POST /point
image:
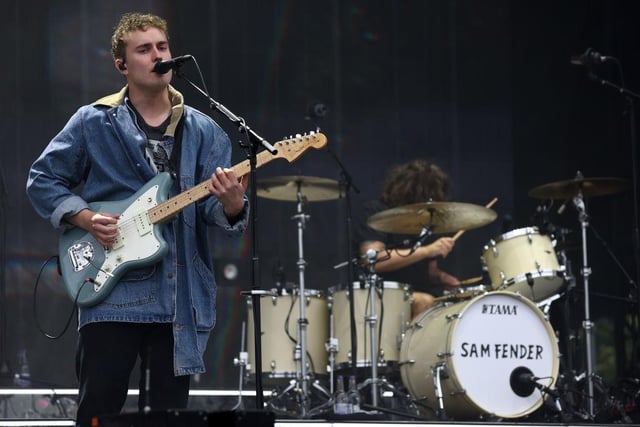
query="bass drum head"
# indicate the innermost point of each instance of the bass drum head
(478, 345)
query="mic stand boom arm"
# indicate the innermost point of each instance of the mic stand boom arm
(242, 127)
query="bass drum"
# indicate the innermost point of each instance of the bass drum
(279, 323)
(479, 350)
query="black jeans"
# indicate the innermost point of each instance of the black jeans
(105, 357)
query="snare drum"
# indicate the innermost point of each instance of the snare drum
(392, 311)
(477, 350)
(279, 323)
(523, 261)
(462, 293)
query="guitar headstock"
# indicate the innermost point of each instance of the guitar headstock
(294, 146)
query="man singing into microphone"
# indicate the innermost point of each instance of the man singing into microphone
(164, 311)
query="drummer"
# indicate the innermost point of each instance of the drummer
(414, 182)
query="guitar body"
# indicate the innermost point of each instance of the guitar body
(89, 270)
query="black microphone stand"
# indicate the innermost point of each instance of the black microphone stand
(346, 185)
(630, 97)
(4, 365)
(255, 142)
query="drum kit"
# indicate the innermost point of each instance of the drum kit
(482, 352)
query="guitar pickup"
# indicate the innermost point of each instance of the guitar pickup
(143, 225)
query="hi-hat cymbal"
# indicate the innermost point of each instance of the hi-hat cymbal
(444, 217)
(589, 187)
(287, 188)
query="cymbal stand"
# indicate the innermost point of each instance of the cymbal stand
(587, 324)
(333, 347)
(372, 321)
(300, 351)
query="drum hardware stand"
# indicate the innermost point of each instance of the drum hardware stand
(333, 347)
(301, 383)
(587, 324)
(241, 361)
(300, 351)
(438, 370)
(372, 320)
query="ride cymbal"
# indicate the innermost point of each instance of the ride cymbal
(443, 217)
(589, 187)
(287, 188)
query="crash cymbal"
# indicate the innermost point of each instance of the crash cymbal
(590, 187)
(286, 188)
(444, 217)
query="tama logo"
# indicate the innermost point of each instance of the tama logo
(500, 309)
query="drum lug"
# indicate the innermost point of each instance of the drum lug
(494, 247)
(503, 279)
(453, 316)
(443, 355)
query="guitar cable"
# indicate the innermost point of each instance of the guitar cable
(35, 308)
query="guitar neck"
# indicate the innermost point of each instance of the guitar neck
(289, 149)
(176, 204)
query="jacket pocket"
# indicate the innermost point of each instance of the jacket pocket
(137, 287)
(203, 296)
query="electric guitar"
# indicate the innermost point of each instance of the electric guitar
(90, 271)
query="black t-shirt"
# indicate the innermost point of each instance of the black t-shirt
(417, 274)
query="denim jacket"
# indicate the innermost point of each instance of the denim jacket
(102, 147)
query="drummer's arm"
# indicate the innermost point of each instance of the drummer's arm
(442, 277)
(399, 258)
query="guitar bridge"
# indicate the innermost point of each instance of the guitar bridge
(81, 254)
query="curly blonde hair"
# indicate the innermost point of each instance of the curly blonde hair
(415, 182)
(130, 22)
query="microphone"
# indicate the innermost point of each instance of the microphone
(522, 381)
(562, 207)
(588, 58)
(163, 67)
(426, 232)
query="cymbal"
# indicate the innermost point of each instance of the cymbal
(444, 217)
(286, 188)
(590, 187)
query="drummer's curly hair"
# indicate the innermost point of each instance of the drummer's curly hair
(415, 182)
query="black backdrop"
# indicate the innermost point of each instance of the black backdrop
(483, 88)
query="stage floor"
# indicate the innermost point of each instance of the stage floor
(56, 407)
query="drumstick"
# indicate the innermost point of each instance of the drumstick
(470, 281)
(488, 205)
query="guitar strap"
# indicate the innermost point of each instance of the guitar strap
(174, 160)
